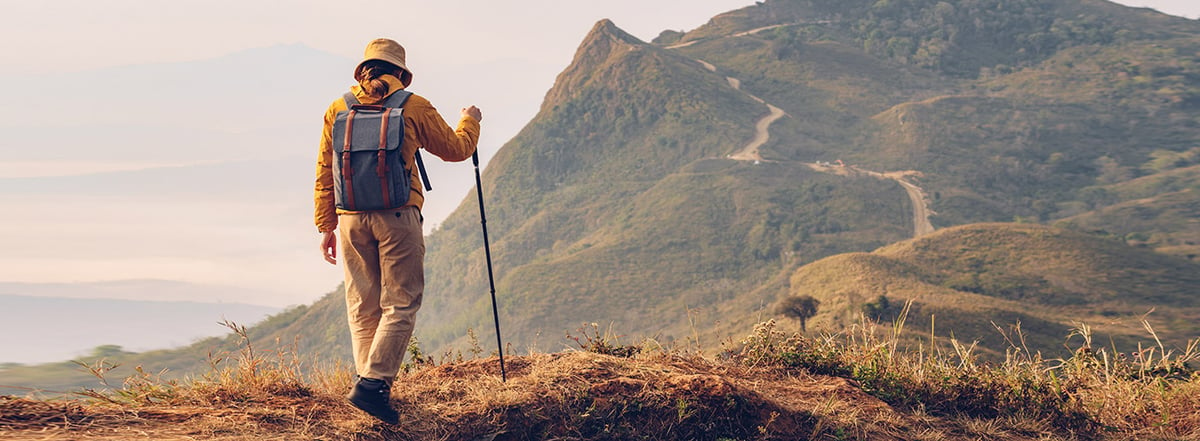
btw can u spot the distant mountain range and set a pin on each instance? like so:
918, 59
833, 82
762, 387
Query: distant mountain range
145, 290
44, 329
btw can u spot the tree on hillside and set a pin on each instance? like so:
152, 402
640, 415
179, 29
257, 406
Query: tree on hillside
800, 308
879, 310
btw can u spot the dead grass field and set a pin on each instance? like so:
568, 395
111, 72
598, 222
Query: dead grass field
773, 386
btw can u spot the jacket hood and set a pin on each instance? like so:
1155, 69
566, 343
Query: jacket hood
393, 83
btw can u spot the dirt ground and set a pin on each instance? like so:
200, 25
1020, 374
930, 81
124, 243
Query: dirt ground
575, 395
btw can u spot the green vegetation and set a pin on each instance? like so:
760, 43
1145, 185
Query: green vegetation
1149, 211
1103, 102
961, 39
881, 310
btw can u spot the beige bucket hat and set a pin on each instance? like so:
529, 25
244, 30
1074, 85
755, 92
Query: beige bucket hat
385, 50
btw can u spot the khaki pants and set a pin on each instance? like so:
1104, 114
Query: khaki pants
383, 254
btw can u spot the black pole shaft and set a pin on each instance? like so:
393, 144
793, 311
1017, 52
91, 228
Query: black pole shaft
487, 251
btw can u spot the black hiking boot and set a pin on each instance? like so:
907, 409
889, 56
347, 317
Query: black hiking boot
374, 397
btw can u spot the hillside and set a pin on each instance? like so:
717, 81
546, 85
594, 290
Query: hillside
672, 227
1001, 128
966, 281
616, 204
1150, 211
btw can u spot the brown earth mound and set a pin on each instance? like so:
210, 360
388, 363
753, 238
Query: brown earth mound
575, 395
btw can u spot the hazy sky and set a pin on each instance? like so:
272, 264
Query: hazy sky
78, 34
540, 36
70, 34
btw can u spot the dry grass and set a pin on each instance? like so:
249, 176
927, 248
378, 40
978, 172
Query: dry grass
1152, 393
770, 386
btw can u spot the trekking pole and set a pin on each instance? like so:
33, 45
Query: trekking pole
487, 251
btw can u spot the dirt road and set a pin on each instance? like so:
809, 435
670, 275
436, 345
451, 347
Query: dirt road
762, 129
762, 134
921, 212
750, 32
920, 204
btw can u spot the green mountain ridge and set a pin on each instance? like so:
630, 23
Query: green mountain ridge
1031, 139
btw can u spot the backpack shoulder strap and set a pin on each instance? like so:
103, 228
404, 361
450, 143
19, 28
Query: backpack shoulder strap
397, 99
421, 168
350, 99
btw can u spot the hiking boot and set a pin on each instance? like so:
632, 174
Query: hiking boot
374, 397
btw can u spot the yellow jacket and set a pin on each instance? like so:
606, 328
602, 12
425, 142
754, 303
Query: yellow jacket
423, 128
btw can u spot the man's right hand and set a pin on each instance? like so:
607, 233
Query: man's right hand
329, 247
473, 112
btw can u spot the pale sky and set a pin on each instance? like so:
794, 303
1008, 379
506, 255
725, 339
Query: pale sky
1181, 8
81, 34
71, 34
540, 36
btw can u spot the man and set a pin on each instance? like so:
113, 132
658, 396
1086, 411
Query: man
383, 251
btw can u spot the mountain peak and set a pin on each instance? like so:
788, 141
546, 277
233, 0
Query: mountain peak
602, 44
606, 29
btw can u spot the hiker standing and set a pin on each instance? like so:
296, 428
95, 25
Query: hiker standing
382, 249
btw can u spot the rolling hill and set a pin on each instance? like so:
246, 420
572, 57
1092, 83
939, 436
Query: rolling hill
965, 281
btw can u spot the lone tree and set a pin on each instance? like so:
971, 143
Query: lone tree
879, 310
800, 308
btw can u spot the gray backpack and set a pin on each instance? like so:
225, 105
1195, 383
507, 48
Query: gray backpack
369, 170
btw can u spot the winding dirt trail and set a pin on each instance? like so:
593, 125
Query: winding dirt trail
920, 203
762, 134
762, 129
750, 32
